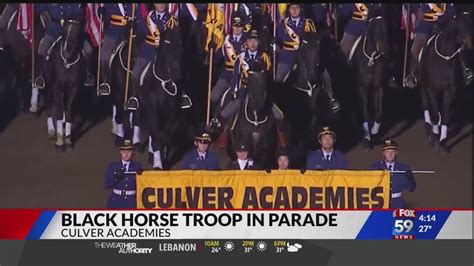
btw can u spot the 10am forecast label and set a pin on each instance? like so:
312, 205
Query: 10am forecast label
251, 246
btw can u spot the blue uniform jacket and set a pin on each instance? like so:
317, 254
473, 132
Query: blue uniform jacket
147, 49
127, 183
316, 161
433, 13
398, 182
261, 57
191, 161
319, 13
65, 12
287, 54
112, 11
359, 12
229, 62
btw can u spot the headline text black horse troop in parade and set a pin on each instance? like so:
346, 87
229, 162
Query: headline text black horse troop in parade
283, 70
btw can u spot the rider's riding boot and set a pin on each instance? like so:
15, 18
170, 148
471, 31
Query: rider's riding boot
468, 74
215, 124
90, 80
185, 101
411, 80
334, 105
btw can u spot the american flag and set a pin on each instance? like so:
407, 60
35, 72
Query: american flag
329, 12
228, 18
25, 22
93, 24
408, 18
173, 9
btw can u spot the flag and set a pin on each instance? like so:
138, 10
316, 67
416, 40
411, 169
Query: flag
24, 23
192, 11
215, 25
143, 11
408, 20
281, 11
173, 9
329, 15
228, 18
93, 24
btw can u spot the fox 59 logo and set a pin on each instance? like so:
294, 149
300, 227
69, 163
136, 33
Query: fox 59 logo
404, 221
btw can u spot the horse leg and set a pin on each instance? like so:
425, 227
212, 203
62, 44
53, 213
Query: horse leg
428, 124
114, 124
60, 117
448, 97
327, 85
363, 94
68, 116
49, 112
120, 133
434, 115
136, 131
378, 99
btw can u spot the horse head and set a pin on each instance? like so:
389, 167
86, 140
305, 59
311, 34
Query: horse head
71, 38
377, 31
170, 55
257, 86
463, 27
308, 60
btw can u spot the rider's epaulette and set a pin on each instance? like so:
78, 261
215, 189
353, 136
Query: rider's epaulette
266, 59
309, 26
172, 22
118, 20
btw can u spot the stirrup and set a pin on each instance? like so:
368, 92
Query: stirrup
40, 82
90, 80
132, 104
186, 102
104, 89
415, 81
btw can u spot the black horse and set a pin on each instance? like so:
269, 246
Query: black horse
372, 73
65, 71
162, 98
15, 65
125, 123
254, 124
438, 75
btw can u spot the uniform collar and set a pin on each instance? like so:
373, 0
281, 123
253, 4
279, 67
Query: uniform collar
236, 36
387, 164
242, 163
253, 53
298, 19
201, 153
326, 153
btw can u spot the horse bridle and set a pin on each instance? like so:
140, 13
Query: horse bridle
66, 64
163, 82
375, 54
310, 86
446, 57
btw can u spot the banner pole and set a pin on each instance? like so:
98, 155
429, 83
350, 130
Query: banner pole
127, 76
32, 45
211, 59
407, 36
101, 25
275, 7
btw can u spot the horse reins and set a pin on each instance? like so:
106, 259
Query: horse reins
66, 64
254, 122
163, 83
375, 54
